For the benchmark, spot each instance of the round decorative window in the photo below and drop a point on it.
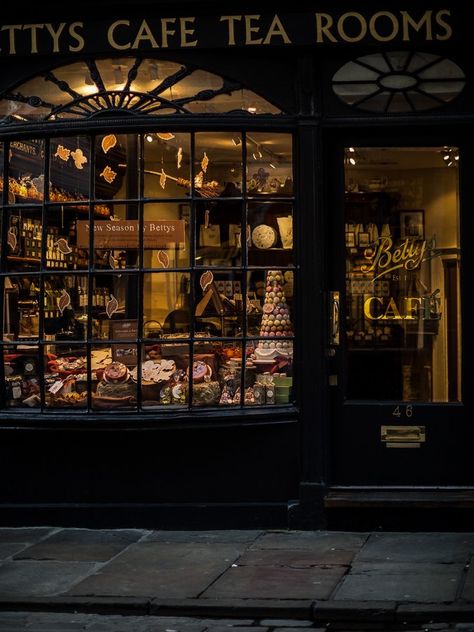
(399, 81)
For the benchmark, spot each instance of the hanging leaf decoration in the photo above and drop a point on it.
(179, 157)
(163, 179)
(108, 142)
(113, 262)
(12, 239)
(79, 158)
(108, 174)
(204, 162)
(112, 306)
(63, 301)
(63, 246)
(206, 279)
(163, 258)
(62, 152)
(198, 179)
(165, 136)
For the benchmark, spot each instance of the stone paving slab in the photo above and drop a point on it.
(82, 545)
(468, 589)
(417, 547)
(8, 549)
(273, 582)
(40, 579)
(297, 558)
(155, 569)
(24, 534)
(401, 582)
(204, 537)
(315, 541)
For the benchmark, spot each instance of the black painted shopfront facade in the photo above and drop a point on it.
(235, 266)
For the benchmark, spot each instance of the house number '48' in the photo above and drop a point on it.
(408, 411)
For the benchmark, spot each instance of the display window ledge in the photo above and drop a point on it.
(208, 418)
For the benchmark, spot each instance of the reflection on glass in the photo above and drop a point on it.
(218, 164)
(114, 300)
(403, 333)
(22, 383)
(112, 367)
(65, 307)
(65, 376)
(26, 171)
(116, 166)
(218, 233)
(69, 169)
(219, 304)
(167, 165)
(21, 307)
(269, 164)
(270, 233)
(24, 236)
(165, 374)
(166, 304)
(166, 236)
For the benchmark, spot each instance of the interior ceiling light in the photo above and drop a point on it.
(149, 138)
(236, 140)
(450, 156)
(351, 156)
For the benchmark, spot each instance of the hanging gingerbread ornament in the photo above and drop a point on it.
(108, 142)
(62, 152)
(79, 158)
(108, 174)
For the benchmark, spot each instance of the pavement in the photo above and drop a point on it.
(258, 581)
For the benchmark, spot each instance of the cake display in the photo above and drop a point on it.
(276, 326)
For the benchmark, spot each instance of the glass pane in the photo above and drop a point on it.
(167, 165)
(166, 304)
(24, 236)
(269, 378)
(65, 376)
(270, 303)
(206, 376)
(164, 375)
(69, 169)
(116, 238)
(63, 244)
(21, 307)
(403, 330)
(218, 164)
(22, 371)
(219, 305)
(218, 232)
(270, 233)
(166, 237)
(65, 307)
(269, 164)
(114, 299)
(116, 166)
(26, 171)
(112, 385)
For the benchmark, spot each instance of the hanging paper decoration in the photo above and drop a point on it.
(63, 246)
(79, 158)
(63, 301)
(164, 259)
(62, 152)
(204, 162)
(113, 262)
(206, 279)
(179, 157)
(165, 136)
(162, 179)
(108, 142)
(206, 189)
(198, 180)
(108, 174)
(112, 306)
(12, 239)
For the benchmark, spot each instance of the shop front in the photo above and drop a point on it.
(234, 266)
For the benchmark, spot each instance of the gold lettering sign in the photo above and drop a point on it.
(385, 257)
(124, 233)
(406, 308)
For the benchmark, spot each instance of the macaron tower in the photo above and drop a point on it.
(276, 321)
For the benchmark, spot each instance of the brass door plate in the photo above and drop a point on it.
(403, 436)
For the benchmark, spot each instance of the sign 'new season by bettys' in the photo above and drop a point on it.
(124, 233)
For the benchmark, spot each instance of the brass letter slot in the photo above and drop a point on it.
(403, 436)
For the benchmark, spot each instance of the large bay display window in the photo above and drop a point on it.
(147, 271)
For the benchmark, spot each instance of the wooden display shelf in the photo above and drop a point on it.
(23, 259)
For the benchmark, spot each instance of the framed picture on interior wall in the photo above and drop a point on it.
(412, 224)
(350, 239)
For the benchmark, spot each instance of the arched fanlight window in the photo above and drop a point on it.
(398, 82)
(133, 86)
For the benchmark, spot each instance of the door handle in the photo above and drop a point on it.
(334, 318)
